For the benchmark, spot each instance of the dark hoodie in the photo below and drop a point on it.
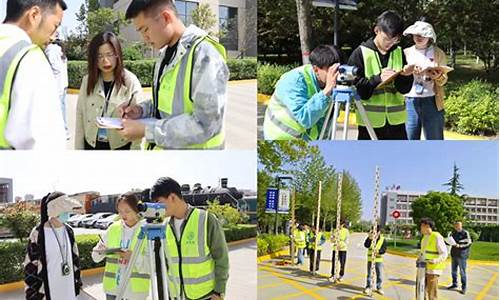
(365, 86)
(35, 263)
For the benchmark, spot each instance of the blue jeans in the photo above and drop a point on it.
(459, 262)
(300, 256)
(423, 114)
(378, 271)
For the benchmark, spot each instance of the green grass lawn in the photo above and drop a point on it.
(466, 69)
(479, 250)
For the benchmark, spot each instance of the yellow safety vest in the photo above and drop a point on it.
(378, 245)
(431, 252)
(11, 52)
(343, 235)
(299, 237)
(279, 122)
(386, 103)
(312, 245)
(174, 93)
(192, 268)
(139, 282)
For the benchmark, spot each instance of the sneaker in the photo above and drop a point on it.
(367, 291)
(331, 278)
(453, 286)
(380, 291)
(339, 279)
(462, 291)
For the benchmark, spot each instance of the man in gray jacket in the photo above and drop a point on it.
(459, 255)
(189, 88)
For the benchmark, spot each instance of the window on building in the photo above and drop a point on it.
(228, 26)
(185, 10)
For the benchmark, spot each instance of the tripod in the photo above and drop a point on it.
(344, 94)
(154, 235)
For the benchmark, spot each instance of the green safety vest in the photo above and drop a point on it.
(386, 103)
(343, 235)
(431, 252)
(191, 268)
(378, 245)
(139, 282)
(279, 122)
(174, 93)
(299, 237)
(11, 52)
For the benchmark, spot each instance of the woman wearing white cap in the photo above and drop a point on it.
(425, 101)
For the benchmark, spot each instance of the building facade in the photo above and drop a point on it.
(482, 210)
(6, 190)
(236, 19)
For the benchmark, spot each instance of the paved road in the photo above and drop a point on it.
(241, 285)
(241, 125)
(288, 282)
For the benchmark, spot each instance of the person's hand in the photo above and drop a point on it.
(132, 130)
(125, 255)
(215, 297)
(133, 111)
(331, 79)
(408, 70)
(417, 70)
(386, 74)
(101, 246)
(434, 74)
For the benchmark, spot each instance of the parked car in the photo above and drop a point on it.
(105, 222)
(89, 221)
(75, 220)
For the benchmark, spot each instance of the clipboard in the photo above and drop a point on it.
(442, 69)
(109, 250)
(116, 123)
(388, 80)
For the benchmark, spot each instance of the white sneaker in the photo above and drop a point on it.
(339, 279)
(367, 291)
(331, 279)
(380, 291)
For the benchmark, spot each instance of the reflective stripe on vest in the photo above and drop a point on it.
(378, 245)
(175, 99)
(11, 53)
(139, 282)
(279, 122)
(386, 103)
(299, 237)
(193, 269)
(431, 252)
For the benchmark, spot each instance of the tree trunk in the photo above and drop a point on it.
(305, 28)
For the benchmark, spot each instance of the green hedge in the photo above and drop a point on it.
(270, 243)
(486, 233)
(473, 109)
(239, 69)
(268, 75)
(240, 232)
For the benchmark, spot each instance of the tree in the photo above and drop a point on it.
(204, 18)
(454, 182)
(249, 40)
(104, 19)
(19, 220)
(442, 208)
(305, 28)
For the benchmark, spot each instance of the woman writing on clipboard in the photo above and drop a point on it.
(107, 85)
(123, 234)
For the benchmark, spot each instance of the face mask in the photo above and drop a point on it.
(64, 217)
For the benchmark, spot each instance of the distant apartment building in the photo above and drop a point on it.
(235, 18)
(482, 210)
(6, 190)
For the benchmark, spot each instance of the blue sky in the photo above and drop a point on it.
(416, 166)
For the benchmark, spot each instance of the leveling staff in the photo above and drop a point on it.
(196, 247)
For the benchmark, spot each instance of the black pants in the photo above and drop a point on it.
(342, 259)
(388, 132)
(103, 146)
(311, 259)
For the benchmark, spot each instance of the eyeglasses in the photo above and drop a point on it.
(109, 56)
(391, 41)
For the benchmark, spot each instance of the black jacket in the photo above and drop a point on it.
(365, 86)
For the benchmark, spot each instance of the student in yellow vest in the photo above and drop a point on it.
(189, 84)
(30, 111)
(124, 234)
(201, 269)
(316, 241)
(378, 59)
(343, 242)
(301, 98)
(434, 252)
(380, 247)
(299, 236)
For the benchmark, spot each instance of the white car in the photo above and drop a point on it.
(89, 221)
(74, 221)
(105, 222)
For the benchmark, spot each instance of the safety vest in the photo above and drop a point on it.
(174, 93)
(279, 122)
(139, 282)
(378, 245)
(386, 103)
(343, 235)
(11, 52)
(431, 252)
(312, 245)
(191, 267)
(299, 237)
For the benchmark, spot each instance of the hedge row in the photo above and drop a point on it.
(268, 75)
(239, 69)
(270, 243)
(12, 253)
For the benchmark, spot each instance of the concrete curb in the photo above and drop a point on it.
(12, 286)
(470, 261)
(272, 255)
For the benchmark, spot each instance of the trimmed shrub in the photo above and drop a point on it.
(473, 109)
(239, 69)
(268, 75)
(262, 247)
(240, 232)
(274, 242)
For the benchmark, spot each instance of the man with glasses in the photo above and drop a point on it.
(378, 60)
(30, 111)
(189, 86)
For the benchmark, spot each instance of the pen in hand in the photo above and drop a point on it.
(128, 103)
